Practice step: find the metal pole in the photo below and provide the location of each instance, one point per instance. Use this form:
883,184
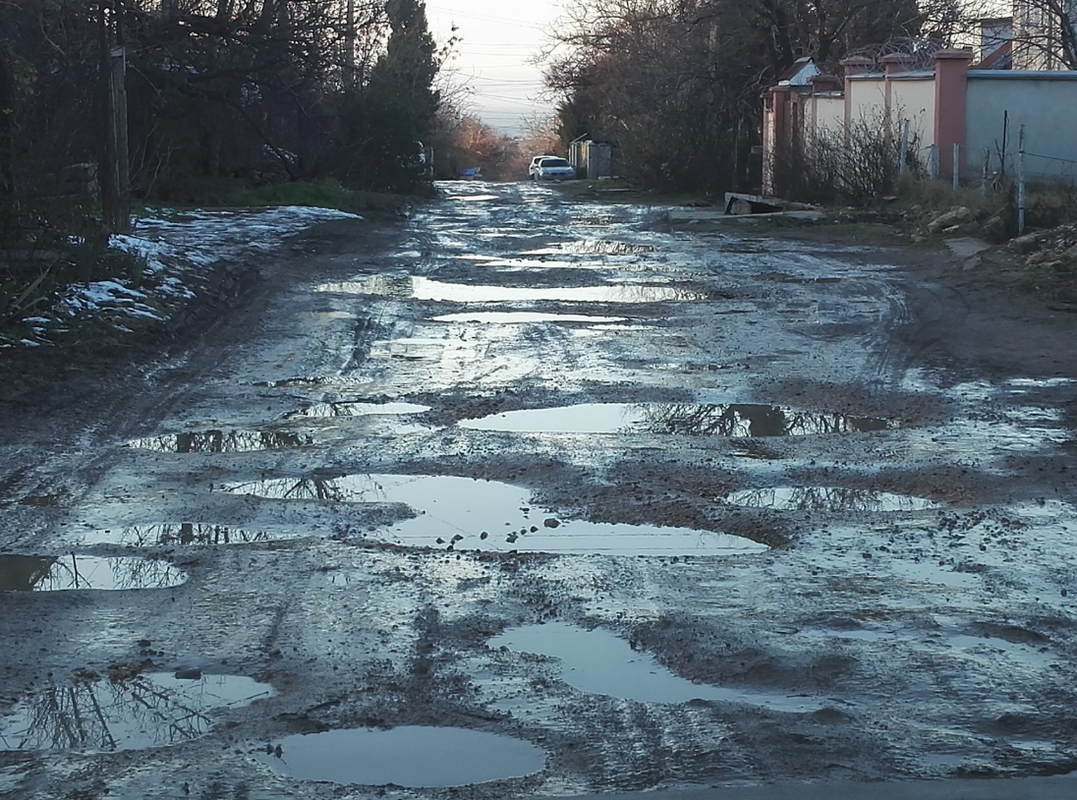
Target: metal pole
956,166
985,174
933,162
1021,182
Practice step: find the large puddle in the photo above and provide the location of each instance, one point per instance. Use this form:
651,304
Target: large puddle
675,418
598,662
410,756
215,441
832,499
407,286
62,573
92,714
468,514
181,534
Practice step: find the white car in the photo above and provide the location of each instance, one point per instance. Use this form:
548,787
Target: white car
551,168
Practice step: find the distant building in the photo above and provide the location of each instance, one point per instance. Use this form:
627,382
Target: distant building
1040,35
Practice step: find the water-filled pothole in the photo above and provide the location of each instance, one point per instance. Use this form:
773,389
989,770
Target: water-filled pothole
358,408
525,318
685,419
215,441
598,662
181,534
62,573
407,286
831,499
468,514
91,714
411,756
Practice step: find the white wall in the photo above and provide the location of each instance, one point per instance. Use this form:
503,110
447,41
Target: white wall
867,99
1044,102
913,99
829,114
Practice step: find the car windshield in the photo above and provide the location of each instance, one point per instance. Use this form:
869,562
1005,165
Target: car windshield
554,162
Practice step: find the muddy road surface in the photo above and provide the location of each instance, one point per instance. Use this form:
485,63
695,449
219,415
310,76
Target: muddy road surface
529,496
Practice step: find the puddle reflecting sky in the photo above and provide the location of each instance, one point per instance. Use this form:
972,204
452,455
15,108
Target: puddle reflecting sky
98,715
182,534
834,499
675,418
360,409
524,317
411,756
216,441
407,286
61,573
487,515
598,662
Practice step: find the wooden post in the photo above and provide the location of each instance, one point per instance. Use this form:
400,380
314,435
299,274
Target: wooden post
1021,182
985,174
933,162
957,166
903,166
115,173
7,129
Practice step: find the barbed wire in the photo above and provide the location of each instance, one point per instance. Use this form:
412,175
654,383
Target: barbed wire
920,51
1051,158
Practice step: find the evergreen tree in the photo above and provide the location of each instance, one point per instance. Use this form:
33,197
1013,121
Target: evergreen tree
402,100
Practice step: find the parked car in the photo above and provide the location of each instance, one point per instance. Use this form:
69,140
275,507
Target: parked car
551,168
532,168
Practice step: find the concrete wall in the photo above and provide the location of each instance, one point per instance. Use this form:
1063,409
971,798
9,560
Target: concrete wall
1044,102
830,114
866,99
913,99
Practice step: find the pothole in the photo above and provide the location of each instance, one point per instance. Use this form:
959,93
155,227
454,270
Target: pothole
525,318
468,514
598,662
410,756
407,286
91,714
217,441
742,420
183,534
68,572
357,408
831,499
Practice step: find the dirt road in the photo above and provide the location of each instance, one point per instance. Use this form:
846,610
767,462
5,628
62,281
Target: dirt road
529,496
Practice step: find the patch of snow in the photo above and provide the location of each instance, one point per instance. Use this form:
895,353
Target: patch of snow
177,247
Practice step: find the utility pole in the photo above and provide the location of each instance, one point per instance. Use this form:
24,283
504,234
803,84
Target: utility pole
349,46
115,175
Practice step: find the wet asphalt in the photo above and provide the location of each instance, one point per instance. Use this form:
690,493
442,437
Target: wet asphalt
640,507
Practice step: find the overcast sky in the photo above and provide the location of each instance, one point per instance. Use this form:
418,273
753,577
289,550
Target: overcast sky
499,37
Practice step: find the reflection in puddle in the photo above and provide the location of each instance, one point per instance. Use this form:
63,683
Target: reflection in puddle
152,710
61,573
524,317
834,499
411,756
186,533
360,409
222,442
675,418
468,514
600,247
598,662
407,286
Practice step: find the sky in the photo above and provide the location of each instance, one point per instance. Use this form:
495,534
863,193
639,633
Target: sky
498,39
